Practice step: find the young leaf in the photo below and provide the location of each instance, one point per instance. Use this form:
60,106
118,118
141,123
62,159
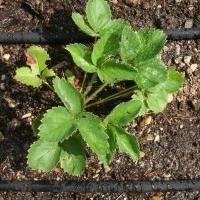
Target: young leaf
150,73
93,132
127,143
43,155
72,158
98,14
113,72
82,57
157,101
40,56
80,22
71,98
57,125
124,113
46,73
25,76
107,45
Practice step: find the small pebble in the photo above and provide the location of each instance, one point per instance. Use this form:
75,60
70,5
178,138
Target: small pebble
146,121
178,1
26,115
6,56
2,86
178,50
189,23
187,59
150,137
157,138
192,68
178,60
181,126
3,77
170,98
107,169
142,154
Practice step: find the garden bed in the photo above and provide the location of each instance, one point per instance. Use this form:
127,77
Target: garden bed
170,141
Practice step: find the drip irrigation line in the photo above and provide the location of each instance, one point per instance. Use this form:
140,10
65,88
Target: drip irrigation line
101,186
45,37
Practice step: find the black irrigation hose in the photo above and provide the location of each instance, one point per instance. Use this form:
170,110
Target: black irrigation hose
101,186
61,38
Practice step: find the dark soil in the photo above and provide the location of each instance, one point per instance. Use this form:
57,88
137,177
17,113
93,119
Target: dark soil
170,144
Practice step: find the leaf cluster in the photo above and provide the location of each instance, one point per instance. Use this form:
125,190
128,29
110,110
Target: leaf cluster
119,53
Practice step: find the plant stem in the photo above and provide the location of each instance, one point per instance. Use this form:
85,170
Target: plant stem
46,83
90,98
89,87
83,83
123,93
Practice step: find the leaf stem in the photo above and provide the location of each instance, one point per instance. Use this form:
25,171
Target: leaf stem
90,98
91,83
46,83
123,93
83,83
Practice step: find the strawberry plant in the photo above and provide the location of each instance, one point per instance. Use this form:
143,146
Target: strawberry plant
118,54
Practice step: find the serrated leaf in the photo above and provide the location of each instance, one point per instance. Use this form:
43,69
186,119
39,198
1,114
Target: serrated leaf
94,134
157,101
72,158
40,56
46,73
174,81
43,155
71,97
25,76
130,45
106,46
82,57
112,72
124,113
98,14
114,26
150,73
36,124
139,96
139,46
57,125
127,143
80,22
112,144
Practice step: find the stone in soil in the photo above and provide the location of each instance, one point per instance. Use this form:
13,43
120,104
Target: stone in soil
189,23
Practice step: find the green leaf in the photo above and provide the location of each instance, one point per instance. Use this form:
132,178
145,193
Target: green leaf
139,96
174,81
98,14
57,125
152,43
72,158
94,134
127,143
46,73
107,45
157,101
36,124
150,73
112,72
124,113
113,145
130,45
80,22
82,57
71,97
140,46
70,76
114,26
25,76
43,155
40,56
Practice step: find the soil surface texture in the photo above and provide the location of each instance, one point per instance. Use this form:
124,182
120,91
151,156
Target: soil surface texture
170,141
